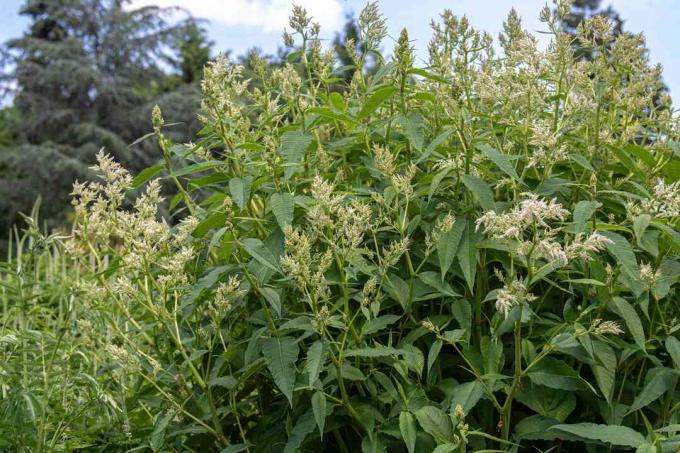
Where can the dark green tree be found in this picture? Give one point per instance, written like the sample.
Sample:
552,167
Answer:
84,76
585,9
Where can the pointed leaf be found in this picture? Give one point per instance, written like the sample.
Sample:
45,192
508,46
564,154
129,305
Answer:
501,160
282,205
467,254
480,190
611,434
319,408
407,426
316,358
448,245
625,310
280,354
375,99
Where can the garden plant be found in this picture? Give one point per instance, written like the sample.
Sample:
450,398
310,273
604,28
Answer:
475,253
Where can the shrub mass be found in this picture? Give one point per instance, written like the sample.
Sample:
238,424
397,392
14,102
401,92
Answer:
476,255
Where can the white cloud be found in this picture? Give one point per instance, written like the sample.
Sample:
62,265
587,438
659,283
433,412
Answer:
264,15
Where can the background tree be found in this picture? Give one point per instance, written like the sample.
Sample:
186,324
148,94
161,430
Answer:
585,9
85,75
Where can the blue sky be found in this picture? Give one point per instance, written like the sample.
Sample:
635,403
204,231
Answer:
241,24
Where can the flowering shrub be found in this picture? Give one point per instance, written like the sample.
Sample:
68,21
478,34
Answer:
481,254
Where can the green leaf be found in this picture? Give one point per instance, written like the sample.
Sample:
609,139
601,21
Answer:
273,298
433,353
611,434
197,168
319,408
480,190
659,381
673,348
282,205
240,190
407,426
261,253
378,351
640,224
467,395
378,324
413,129
146,174
625,257
293,147
236,448
436,423
316,358
304,426
501,160
439,140
467,254
447,246
605,369
641,153
158,434
446,448
375,99
280,354
625,310
547,402
555,374
228,382
583,211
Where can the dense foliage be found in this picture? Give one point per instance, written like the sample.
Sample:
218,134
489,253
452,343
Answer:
479,255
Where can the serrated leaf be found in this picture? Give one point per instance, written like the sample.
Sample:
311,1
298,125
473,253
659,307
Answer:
282,205
625,257
673,348
555,374
467,395
239,188
228,382
640,224
236,448
433,353
501,160
261,253
610,434
375,100
378,351
435,422
158,434
272,297
316,357
378,324
280,354
447,246
293,147
658,382
583,211
407,427
480,190
413,129
446,448
439,140
625,310
146,174
467,254
605,368
319,409
304,427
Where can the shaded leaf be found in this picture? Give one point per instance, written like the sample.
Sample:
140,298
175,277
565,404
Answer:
280,355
